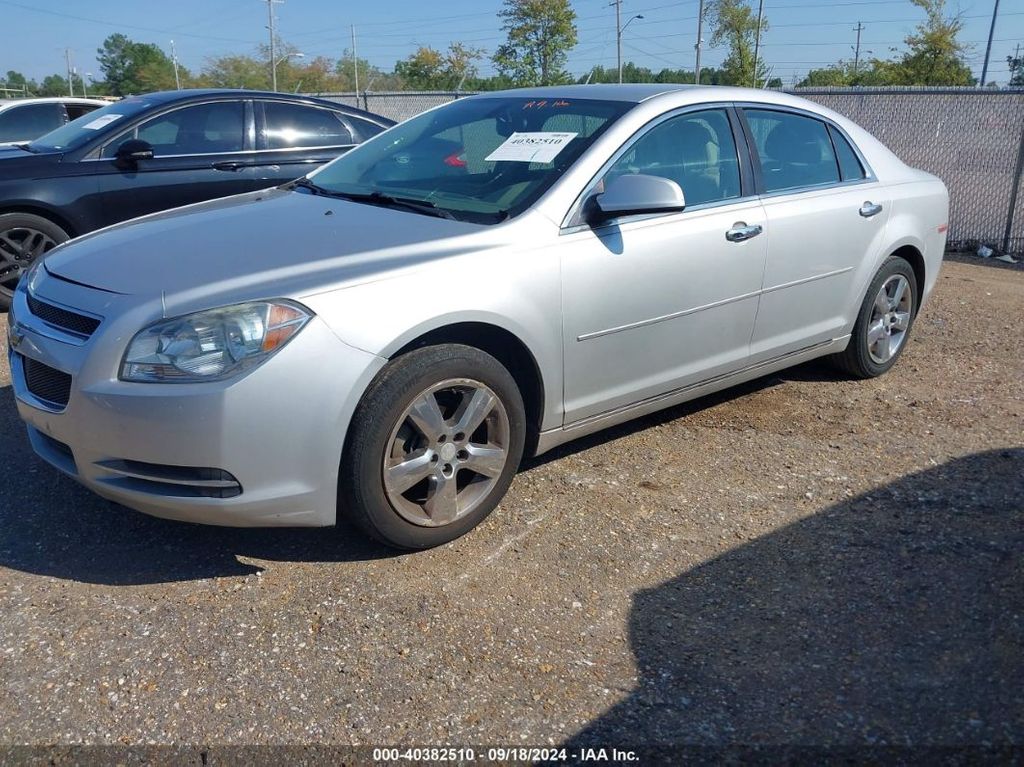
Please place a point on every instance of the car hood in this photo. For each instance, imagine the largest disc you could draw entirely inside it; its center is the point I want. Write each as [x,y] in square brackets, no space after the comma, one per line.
[14,158]
[274,242]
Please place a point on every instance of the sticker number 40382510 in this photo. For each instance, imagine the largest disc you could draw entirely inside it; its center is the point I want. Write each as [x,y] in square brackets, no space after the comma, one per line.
[541,146]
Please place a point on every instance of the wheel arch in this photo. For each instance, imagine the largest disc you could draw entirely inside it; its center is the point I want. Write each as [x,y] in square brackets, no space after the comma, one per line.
[506,347]
[915,258]
[42,211]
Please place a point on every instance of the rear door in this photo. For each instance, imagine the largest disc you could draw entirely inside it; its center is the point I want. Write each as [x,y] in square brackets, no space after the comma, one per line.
[826,214]
[200,152]
[295,139]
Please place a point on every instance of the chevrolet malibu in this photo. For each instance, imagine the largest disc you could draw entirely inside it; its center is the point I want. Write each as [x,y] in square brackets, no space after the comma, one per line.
[384,339]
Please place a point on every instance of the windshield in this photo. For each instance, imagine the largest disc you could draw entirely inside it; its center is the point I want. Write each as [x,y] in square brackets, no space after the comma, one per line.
[479,159]
[85,128]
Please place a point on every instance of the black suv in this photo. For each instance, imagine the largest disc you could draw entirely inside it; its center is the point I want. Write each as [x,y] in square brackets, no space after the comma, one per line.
[149,153]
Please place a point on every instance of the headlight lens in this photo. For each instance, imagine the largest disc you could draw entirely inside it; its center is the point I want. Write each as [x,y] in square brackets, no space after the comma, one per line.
[211,345]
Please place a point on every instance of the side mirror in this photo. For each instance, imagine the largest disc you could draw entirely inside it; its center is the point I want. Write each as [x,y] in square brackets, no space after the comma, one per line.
[132,151]
[635,194]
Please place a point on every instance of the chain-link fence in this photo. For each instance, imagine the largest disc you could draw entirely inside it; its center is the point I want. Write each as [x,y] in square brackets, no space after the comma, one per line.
[972,139]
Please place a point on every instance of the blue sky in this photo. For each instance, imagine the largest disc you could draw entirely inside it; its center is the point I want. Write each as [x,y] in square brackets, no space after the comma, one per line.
[804,34]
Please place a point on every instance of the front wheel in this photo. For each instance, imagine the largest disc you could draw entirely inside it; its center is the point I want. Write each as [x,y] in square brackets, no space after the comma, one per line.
[432,447]
[23,238]
[883,324]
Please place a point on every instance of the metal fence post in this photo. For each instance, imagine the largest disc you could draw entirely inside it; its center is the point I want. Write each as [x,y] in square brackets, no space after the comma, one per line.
[1014,190]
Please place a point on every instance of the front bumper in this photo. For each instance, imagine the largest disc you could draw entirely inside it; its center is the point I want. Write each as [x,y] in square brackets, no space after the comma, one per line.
[259,450]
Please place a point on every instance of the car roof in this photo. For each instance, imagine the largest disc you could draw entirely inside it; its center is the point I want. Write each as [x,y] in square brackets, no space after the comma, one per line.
[629,92]
[188,94]
[4,103]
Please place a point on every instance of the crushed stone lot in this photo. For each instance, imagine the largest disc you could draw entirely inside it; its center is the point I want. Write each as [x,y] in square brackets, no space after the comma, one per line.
[806,559]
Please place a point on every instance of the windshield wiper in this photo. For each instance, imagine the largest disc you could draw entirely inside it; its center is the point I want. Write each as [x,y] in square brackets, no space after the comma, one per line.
[390,201]
[27,147]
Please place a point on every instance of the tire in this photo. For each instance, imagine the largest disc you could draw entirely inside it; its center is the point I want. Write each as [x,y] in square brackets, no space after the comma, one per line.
[24,237]
[448,419]
[883,324]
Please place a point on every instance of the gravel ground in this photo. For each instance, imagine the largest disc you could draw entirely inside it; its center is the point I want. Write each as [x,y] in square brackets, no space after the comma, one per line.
[806,559]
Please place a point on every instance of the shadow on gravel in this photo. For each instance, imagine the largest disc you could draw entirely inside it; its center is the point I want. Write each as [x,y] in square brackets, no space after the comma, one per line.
[892,619]
[52,526]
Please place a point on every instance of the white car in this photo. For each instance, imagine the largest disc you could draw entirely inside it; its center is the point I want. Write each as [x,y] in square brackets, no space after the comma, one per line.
[388,336]
[24,120]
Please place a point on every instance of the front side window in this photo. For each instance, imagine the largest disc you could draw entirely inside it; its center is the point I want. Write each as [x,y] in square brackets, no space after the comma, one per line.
[200,129]
[23,123]
[293,125]
[795,151]
[696,150]
[480,159]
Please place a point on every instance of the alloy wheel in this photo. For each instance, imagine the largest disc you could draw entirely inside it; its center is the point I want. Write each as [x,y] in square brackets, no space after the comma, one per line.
[890,318]
[446,452]
[19,247]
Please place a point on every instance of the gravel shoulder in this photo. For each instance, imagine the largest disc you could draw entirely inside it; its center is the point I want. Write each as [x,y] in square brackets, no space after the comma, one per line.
[805,559]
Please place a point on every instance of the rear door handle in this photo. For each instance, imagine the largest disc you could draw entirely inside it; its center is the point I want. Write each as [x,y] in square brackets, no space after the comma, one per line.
[228,165]
[869,209]
[740,232]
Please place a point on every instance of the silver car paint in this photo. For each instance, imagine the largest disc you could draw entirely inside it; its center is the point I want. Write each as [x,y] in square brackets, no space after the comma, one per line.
[620,320]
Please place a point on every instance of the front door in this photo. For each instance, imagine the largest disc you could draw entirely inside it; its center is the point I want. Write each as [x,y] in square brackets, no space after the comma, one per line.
[656,303]
[200,152]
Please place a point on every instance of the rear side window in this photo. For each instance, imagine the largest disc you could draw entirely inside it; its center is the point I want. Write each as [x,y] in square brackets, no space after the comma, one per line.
[365,128]
[795,151]
[77,110]
[30,121]
[293,125]
[849,163]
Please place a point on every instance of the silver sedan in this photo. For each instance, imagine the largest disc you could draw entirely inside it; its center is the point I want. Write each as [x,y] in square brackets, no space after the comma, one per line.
[386,338]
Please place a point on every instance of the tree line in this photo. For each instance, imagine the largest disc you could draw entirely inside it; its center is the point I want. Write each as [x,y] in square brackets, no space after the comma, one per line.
[539,35]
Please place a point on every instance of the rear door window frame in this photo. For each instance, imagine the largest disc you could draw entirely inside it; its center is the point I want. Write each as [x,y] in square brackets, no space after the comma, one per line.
[261,123]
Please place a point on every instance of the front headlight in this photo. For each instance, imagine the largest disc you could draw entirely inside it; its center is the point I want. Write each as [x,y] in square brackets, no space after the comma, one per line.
[211,345]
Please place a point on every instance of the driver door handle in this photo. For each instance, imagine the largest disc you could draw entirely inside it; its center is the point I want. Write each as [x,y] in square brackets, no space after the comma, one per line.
[741,231]
[228,165]
[869,209]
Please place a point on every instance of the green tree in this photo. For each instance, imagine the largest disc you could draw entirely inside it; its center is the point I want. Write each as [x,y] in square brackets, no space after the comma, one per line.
[539,36]
[1016,65]
[16,81]
[429,69]
[735,25]
[235,71]
[935,56]
[53,85]
[130,67]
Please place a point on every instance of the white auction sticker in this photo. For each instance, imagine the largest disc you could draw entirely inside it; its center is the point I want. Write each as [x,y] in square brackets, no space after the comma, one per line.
[531,147]
[99,122]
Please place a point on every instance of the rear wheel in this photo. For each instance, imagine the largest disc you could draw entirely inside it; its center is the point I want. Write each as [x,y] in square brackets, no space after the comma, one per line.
[24,237]
[432,447]
[883,324]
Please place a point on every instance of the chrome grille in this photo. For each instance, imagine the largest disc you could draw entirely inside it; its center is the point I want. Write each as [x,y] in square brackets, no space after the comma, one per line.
[72,322]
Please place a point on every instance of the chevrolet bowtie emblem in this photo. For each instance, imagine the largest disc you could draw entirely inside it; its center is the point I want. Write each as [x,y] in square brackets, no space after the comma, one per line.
[15,336]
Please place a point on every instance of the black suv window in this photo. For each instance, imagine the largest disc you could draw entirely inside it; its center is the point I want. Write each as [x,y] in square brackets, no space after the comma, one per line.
[200,129]
[29,121]
[365,128]
[795,151]
[696,150]
[293,125]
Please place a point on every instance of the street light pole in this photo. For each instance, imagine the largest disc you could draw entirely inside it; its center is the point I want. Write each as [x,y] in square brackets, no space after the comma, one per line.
[757,37]
[273,43]
[988,48]
[618,35]
[700,24]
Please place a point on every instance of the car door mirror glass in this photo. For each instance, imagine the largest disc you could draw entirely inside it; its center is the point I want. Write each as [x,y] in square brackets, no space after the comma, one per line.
[635,194]
[133,150]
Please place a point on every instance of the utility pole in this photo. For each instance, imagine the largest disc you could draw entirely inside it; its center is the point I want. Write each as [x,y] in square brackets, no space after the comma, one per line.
[355,64]
[988,48]
[700,24]
[174,61]
[273,43]
[856,51]
[71,81]
[757,37]
[618,34]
